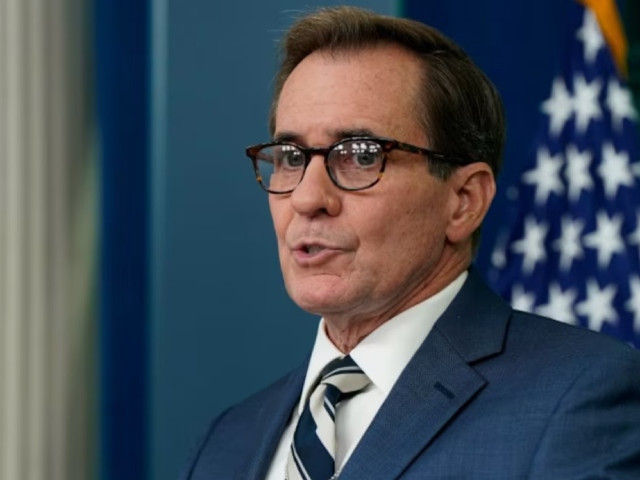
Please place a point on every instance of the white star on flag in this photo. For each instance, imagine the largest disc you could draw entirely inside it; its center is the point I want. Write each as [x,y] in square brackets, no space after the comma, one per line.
[614,170]
[619,103]
[598,306]
[559,106]
[546,176]
[606,238]
[590,36]
[531,246]
[585,101]
[569,243]
[522,300]
[577,172]
[560,304]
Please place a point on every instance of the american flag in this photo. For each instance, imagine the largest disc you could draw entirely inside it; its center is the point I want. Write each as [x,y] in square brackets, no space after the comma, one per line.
[571,250]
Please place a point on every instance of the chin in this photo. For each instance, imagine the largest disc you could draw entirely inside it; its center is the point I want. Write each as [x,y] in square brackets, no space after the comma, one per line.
[312,303]
[315,298]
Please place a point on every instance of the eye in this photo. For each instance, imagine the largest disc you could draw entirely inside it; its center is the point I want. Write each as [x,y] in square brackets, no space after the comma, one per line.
[288,157]
[365,159]
[364,154]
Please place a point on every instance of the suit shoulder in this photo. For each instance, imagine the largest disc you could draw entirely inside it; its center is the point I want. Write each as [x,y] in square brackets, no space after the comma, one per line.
[552,336]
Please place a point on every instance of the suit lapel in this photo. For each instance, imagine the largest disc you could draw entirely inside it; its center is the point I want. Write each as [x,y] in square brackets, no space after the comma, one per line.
[274,418]
[437,383]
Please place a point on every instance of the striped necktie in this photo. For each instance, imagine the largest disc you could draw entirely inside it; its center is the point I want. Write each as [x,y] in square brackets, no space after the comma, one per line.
[313,449]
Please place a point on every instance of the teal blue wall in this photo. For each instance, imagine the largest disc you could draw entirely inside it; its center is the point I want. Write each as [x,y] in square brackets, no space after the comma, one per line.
[221,323]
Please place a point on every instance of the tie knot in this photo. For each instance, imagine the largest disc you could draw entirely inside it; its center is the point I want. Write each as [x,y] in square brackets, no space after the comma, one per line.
[340,365]
[343,379]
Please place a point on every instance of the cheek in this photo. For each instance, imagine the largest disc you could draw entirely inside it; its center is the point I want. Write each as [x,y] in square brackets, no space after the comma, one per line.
[280,217]
[405,231]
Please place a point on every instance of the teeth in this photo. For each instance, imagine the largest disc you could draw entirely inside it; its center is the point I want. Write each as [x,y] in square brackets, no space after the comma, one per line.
[311,249]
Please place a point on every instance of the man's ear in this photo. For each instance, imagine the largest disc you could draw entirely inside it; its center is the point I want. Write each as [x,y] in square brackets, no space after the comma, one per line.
[473,190]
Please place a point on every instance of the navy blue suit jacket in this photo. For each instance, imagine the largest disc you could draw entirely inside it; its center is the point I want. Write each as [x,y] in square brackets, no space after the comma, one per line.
[492,394]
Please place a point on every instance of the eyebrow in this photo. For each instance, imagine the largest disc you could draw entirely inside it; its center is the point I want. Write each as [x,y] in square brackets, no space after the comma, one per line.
[337,135]
[356,132]
[287,137]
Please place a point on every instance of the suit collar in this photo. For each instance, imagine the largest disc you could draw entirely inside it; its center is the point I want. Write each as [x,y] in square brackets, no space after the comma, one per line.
[438,382]
[475,323]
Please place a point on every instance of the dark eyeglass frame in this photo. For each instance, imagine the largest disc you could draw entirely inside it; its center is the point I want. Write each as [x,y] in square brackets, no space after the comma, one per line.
[387,145]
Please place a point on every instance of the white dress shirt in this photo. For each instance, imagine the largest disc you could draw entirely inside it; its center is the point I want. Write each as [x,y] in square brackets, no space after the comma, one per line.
[382,356]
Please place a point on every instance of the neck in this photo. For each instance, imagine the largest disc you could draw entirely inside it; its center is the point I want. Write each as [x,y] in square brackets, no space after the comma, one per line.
[346,331]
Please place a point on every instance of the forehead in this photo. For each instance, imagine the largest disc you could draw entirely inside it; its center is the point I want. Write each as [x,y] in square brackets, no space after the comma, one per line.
[374,89]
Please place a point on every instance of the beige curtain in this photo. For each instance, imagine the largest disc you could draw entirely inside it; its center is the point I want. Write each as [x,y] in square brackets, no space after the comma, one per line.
[47,242]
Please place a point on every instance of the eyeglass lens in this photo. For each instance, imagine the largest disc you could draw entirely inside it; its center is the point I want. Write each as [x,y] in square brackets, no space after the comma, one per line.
[352,164]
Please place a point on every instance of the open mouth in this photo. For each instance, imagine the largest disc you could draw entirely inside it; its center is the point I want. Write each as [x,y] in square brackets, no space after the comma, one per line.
[312,249]
[314,254]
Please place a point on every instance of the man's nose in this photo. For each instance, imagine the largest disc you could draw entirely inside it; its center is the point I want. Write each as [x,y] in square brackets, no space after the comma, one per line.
[316,193]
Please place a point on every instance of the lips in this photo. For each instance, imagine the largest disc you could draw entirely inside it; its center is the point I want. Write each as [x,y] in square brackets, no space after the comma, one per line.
[313,253]
[312,249]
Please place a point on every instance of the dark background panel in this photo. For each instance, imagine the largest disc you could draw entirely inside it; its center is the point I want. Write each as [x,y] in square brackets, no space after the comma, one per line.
[121,70]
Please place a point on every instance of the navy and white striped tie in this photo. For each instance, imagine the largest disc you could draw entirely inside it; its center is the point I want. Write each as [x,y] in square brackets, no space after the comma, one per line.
[312,455]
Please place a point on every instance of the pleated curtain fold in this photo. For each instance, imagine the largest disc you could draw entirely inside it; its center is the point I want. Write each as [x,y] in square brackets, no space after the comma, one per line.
[47,241]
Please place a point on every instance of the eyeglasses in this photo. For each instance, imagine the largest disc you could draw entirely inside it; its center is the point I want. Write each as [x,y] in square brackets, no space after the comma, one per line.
[353,164]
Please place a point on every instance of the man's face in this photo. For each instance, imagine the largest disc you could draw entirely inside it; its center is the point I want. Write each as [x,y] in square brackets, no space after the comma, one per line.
[372,253]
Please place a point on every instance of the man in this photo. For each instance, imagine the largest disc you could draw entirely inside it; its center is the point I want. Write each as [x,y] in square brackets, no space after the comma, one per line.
[386,143]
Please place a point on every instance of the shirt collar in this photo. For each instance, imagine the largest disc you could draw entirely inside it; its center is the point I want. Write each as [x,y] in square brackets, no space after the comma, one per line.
[385,352]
